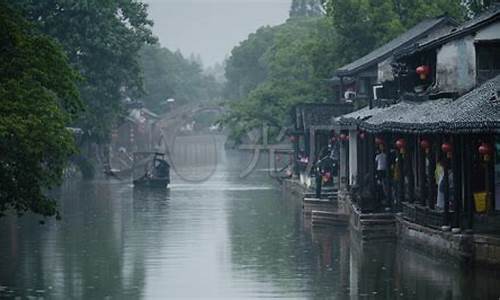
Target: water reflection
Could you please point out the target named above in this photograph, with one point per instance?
(227, 237)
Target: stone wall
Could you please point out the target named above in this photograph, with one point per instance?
(435, 242)
(463, 248)
(487, 250)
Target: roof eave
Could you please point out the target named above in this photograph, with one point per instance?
(454, 35)
(342, 72)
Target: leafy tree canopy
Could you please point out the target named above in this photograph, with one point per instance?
(306, 8)
(277, 68)
(39, 96)
(168, 74)
(477, 6)
(102, 40)
(246, 68)
(363, 25)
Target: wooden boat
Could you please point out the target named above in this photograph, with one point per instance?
(156, 173)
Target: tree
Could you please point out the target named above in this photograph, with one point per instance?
(412, 12)
(170, 75)
(295, 61)
(246, 68)
(102, 40)
(477, 6)
(363, 25)
(39, 97)
(306, 8)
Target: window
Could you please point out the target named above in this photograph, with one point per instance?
(487, 59)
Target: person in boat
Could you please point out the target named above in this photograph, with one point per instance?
(161, 168)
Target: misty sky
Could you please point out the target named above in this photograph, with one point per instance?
(212, 28)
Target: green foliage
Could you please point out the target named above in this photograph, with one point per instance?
(477, 6)
(102, 40)
(277, 68)
(39, 96)
(170, 75)
(363, 25)
(306, 8)
(246, 68)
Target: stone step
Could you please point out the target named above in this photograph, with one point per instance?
(326, 223)
(381, 238)
(317, 201)
(377, 216)
(373, 222)
(328, 218)
(309, 207)
(323, 195)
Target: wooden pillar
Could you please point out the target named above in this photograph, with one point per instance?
(423, 176)
(490, 166)
(401, 183)
(347, 164)
(411, 172)
(312, 145)
(371, 165)
(342, 164)
(457, 180)
(361, 161)
(446, 179)
(307, 143)
(295, 165)
(353, 157)
(469, 201)
(432, 196)
(488, 186)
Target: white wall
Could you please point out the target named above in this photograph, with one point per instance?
(456, 60)
(385, 70)
(456, 65)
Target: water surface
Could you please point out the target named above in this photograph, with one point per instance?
(224, 238)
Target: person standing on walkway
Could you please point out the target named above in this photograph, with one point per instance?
(381, 162)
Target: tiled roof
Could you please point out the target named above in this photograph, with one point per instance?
(356, 117)
(471, 25)
(441, 36)
(476, 111)
(320, 114)
(417, 32)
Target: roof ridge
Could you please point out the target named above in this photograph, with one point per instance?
(406, 37)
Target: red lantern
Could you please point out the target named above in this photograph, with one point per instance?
(326, 177)
(379, 141)
(400, 144)
(344, 137)
(426, 145)
(485, 150)
(292, 138)
(447, 148)
(423, 71)
(362, 135)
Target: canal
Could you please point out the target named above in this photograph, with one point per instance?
(225, 237)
